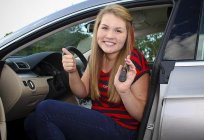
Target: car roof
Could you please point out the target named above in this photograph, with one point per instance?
(54, 17)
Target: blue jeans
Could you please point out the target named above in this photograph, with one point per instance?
(56, 120)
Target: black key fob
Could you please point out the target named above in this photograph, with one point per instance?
(123, 74)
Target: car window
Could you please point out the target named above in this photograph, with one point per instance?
(149, 29)
(200, 50)
(149, 45)
(182, 41)
(70, 36)
(149, 24)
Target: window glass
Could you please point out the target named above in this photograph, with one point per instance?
(181, 44)
(149, 45)
(200, 50)
(149, 24)
(149, 29)
(71, 36)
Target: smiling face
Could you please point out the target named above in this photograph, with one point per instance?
(112, 34)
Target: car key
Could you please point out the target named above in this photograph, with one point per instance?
(123, 73)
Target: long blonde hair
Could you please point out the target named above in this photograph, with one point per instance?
(95, 60)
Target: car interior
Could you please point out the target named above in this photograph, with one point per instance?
(34, 72)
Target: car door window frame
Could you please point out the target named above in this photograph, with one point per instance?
(200, 49)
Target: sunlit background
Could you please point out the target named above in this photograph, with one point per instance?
(15, 14)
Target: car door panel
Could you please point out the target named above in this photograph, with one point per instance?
(182, 114)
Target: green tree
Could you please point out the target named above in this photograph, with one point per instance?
(8, 34)
(65, 38)
(149, 45)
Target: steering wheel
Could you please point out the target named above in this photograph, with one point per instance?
(74, 50)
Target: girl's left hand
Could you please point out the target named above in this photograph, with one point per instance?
(123, 87)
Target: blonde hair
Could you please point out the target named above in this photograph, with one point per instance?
(95, 60)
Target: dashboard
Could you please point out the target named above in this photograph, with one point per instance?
(25, 81)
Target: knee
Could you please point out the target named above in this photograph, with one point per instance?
(41, 108)
(44, 106)
(32, 121)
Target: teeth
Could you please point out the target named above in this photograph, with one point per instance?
(109, 43)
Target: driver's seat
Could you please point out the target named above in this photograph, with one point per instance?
(84, 46)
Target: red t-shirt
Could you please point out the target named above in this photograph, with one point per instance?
(117, 111)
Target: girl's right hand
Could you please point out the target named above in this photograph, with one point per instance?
(68, 61)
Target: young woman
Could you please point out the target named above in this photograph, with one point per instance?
(117, 107)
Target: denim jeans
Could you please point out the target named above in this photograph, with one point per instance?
(56, 120)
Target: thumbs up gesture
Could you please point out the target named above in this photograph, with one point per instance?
(68, 61)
